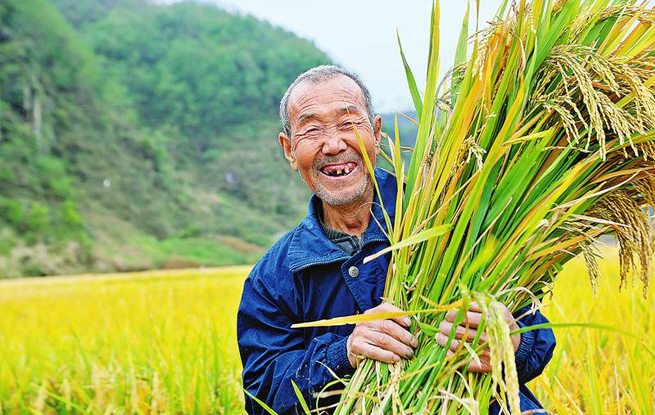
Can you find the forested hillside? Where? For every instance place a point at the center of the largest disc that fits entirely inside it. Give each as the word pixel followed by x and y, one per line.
pixel 135 135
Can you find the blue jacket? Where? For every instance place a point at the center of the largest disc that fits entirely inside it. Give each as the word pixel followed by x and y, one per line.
pixel 305 277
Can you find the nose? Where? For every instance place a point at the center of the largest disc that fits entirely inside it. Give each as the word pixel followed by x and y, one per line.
pixel 334 144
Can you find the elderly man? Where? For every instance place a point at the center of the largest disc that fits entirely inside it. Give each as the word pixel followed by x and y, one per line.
pixel 316 270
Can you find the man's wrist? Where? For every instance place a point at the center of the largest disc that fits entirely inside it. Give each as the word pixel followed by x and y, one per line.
pixel 337 357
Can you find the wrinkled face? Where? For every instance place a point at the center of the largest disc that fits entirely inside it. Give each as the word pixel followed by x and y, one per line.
pixel 323 145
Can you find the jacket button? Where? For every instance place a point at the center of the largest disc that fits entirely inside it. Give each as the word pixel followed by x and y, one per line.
pixel 353 272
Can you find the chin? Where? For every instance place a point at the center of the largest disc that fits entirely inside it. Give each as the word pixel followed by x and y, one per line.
pixel 341 198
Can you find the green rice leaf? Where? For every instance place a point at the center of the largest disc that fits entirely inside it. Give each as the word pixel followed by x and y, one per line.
pixel 263 405
pixel 371 171
pixel 460 53
pixel 300 398
pixel 427 329
pixel 411 81
pixel 413 240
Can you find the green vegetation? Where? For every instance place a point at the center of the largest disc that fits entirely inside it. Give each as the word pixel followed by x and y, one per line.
pixel 548 144
pixel 165 342
pixel 132 134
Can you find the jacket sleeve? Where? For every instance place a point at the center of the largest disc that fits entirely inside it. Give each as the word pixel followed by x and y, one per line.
pixel 273 354
pixel 536 347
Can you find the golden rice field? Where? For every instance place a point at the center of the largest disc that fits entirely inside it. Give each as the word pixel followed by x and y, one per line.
pixel 164 342
pixel 598 371
pixel 146 343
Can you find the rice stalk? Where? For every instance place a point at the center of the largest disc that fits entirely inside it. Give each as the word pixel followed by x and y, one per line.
pixel 547 143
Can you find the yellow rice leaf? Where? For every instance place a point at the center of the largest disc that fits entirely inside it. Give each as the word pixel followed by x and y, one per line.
pixel 362 318
pixel 528 137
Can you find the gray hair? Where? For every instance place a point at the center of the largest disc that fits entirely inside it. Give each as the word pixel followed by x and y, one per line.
pixel 316 75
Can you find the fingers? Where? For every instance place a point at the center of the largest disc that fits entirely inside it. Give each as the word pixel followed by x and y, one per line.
pixel 389 308
pixel 467 330
pixel 388 335
pixel 442 340
pixel 473 314
pixel 473 306
pixel 386 340
pixel 376 353
pixel 473 318
pixel 377 342
pixel 390 343
pixel 399 333
pixel 461 332
pixel 482 365
pixel 513 325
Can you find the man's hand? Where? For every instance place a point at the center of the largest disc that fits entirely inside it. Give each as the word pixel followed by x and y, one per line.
pixel 473 317
pixel 383 340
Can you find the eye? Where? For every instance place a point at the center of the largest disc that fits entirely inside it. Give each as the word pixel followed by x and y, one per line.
pixel 311 132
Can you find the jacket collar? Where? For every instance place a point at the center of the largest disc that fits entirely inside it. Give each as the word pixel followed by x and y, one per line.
pixel 309 245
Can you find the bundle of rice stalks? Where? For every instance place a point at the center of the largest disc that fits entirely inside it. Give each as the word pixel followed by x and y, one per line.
pixel 543 141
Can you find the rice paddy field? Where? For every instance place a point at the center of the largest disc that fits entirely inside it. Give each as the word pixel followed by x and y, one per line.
pixel 165 343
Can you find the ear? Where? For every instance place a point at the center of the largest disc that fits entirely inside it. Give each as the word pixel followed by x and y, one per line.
pixel 377 133
pixel 285 143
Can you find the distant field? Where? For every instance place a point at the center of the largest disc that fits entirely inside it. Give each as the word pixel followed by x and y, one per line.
pixel 164 342
pixel 144 343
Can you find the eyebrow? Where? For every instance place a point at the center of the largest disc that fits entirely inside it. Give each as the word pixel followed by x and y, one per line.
pixel 345 110
pixel 306 117
pixel 350 109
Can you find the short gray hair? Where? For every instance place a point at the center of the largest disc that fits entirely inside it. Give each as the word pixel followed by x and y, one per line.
pixel 316 75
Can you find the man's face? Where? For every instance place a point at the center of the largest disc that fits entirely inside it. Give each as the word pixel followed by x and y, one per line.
pixel 323 145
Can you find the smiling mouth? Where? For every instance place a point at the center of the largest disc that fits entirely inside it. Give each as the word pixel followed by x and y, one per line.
pixel 338 170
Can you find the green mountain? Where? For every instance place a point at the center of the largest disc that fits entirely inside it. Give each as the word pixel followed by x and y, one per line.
pixel 135 135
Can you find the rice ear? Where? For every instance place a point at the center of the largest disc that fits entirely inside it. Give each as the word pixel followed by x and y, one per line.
pixel 635 239
pixel 591 255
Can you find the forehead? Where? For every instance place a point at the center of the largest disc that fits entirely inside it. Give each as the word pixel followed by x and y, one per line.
pixel 324 96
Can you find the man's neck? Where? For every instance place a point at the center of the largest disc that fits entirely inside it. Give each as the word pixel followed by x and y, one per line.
pixel 351 219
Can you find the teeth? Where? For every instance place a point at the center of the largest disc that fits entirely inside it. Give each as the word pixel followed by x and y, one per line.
pixel 337 172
